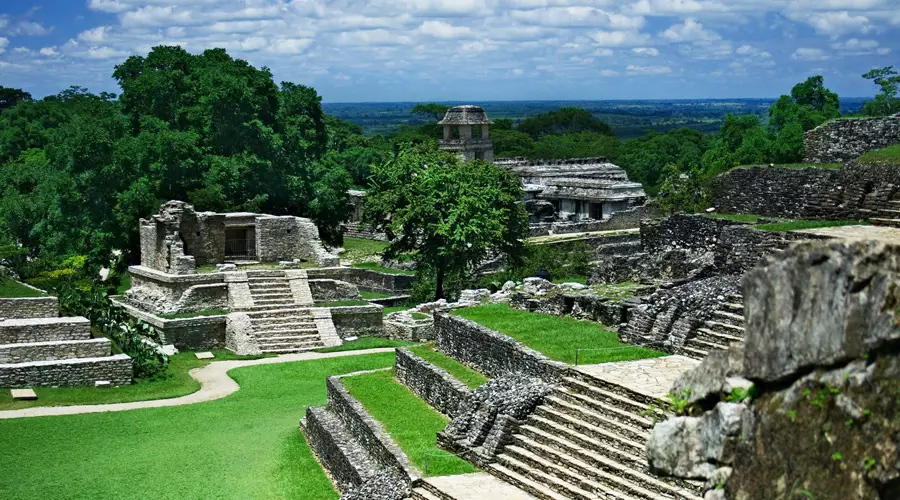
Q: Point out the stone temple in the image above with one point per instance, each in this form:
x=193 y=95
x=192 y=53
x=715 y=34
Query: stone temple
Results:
x=573 y=190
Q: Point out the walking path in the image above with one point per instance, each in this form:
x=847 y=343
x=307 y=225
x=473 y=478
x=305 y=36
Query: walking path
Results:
x=214 y=384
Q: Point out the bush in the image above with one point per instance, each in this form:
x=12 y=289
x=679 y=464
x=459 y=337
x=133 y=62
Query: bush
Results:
x=135 y=338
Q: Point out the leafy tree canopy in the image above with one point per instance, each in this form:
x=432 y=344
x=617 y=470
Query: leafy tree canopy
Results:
x=452 y=214
x=9 y=97
x=563 y=121
x=886 y=102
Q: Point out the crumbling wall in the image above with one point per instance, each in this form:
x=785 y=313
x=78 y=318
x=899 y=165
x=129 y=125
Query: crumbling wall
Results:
x=844 y=140
x=812 y=408
x=288 y=238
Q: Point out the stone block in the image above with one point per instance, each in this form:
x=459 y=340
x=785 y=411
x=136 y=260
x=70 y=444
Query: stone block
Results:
x=23 y=394
x=204 y=355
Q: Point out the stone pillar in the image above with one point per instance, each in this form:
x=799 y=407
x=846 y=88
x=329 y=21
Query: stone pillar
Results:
x=465 y=132
x=448 y=132
x=485 y=131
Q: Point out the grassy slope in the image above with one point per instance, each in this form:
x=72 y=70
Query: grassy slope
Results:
x=556 y=337
x=244 y=446
x=387 y=270
x=409 y=420
x=366 y=343
x=734 y=217
x=809 y=224
x=13 y=289
x=462 y=372
x=374 y=295
x=890 y=154
x=388 y=310
x=176 y=382
x=358 y=249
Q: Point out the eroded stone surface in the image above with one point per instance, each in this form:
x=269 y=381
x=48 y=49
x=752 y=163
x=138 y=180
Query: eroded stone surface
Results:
x=652 y=377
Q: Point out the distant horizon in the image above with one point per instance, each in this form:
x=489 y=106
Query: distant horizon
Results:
x=475 y=101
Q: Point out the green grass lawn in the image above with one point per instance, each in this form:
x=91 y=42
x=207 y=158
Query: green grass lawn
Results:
x=409 y=420
x=734 y=217
x=392 y=309
x=372 y=266
x=809 y=224
x=573 y=279
x=462 y=372
x=617 y=291
x=358 y=249
x=556 y=337
x=246 y=445
x=205 y=312
x=890 y=154
x=366 y=343
x=175 y=382
x=374 y=295
x=343 y=303
x=10 y=289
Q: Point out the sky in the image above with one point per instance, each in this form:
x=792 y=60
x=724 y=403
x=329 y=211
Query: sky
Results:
x=469 y=50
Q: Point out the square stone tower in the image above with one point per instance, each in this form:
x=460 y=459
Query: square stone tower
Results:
x=467 y=133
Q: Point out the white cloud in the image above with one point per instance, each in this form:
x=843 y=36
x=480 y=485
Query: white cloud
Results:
x=836 y=23
x=645 y=51
x=648 y=70
x=106 y=53
x=371 y=37
x=29 y=28
x=604 y=52
x=749 y=50
x=152 y=15
x=440 y=29
x=689 y=31
x=883 y=51
x=3 y=43
x=609 y=72
x=619 y=38
x=95 y=35
x=49 y=52
x=809 y=54
x=290 y=45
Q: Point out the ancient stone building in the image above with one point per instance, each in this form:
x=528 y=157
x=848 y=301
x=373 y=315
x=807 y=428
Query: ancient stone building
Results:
x=467 y=133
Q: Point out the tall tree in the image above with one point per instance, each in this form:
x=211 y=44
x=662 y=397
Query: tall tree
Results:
x=453 y=214
x=9 y=97
x=809 y=105
x=886 y=102
x=563 y=121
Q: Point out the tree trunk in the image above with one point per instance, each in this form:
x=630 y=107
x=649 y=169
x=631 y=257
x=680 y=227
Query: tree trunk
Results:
x=439 y=282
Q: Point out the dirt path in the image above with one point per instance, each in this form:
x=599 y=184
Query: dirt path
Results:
x=214 y=384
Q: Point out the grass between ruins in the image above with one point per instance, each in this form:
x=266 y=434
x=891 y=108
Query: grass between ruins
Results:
x=374 y=295
x=372 y=266
x=409 y=420
x=388 y=310
x=11 y=289
x=343 y=303
x=557 y=337
x=809 y=224
x=246 y=445
x=890 y=154
x=463 y=373
x=831 y=166
x=358 y=249
x=366 y=343
x=198 y=314
x=175 y=382
x=752 y=219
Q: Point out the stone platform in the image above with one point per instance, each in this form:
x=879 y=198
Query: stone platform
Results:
x=475 y=486
x=883 y=234
x=650 y=377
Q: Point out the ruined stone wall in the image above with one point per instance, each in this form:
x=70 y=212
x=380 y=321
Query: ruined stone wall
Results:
x=682 y=232
x=200 y=333
x=490 y=352
x=29 y=307
x=844 y=140
x=13 y=331
x=163 y=293
x=281 y=238
x=51 y=351
x=366 y=279
x=434 y=385
x=116 y=369
x=358 y=321
x=740 y=248
x=203 y=234
x=853 y=192
x=625 y=219
x=324 y=290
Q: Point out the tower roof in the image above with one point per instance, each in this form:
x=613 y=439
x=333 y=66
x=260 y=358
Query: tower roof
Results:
x=465 y=115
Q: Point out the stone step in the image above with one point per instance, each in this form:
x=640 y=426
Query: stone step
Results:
x=729 y=317
x=277 y=284
x=271 y=295
x=624 y=402
x=717 y=338
x=116 y=368
x=571 y=441
x=282 y=339
x=586 y=414
x=889 y=212
x=277 y=312
x=289 y=346
x=15 y=331
x=538 y=483
x=272 y=307
x=54 y=350
x=885 y=222
x=273 y=300
x=265 y=273
x=590 y=380
x=732 y=307
x=591 y=478
x=692 y=352
x=283 y=325
x=290 y=350
x=702 y=345
x=423 y=494
x=725 y=328
x=560 y=423
x=604 y=408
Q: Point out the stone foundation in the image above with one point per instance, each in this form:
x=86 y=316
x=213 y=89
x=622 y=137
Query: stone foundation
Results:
x=116 y=369
x=358 y=321
x=192 y=334
x=434 y=385
x=50 y=351
x=13 y=331
x=844 y=140
x=29 y=307
x=366 y=279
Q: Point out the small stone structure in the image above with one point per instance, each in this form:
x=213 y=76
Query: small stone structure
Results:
x=846 y=139
x=434 y=385
x=38 y=348
x=466 y=132
x=811 y=396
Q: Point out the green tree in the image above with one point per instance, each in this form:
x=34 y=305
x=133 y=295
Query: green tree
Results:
x=575 y=145
x=452 y=214
x=511 y=143
x=9 y=97
x=431 y=111
x=563 y=121
x=644 y=157
x=809 y=105
x=886 y=102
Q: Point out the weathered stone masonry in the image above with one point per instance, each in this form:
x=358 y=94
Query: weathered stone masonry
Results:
x=844 y=140
x=29 y=307
x=434 y=385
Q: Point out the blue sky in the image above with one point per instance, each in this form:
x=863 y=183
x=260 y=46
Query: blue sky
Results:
x=471 y=50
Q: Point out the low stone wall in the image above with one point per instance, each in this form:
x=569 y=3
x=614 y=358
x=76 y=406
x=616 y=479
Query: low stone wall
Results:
x=358 y=321
x=29 y=307
x=625 y=219
x=14 y=331
x=193 y=334
x=367 y=431
x=434 y=385
x=165 y=293
x=366 y=279
x=357 y=230
x=611 y=313
x=324 y=290
x=116 y=369
x=490 y=352
x=845 y=140
x=741 y=248
x=50 y=351
x=334 y=450
x=682 y=232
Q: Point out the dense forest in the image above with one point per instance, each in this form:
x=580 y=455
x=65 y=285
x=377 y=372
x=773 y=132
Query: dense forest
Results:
x=77 y=169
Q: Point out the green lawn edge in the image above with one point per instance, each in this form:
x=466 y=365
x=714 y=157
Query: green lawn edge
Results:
x=463 y=373
x=12 y=289
x=366 y=343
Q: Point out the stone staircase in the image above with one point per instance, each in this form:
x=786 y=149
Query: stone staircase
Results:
x=586 y=441
x=887 y=216
x=282 y=323
x=725 y=327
